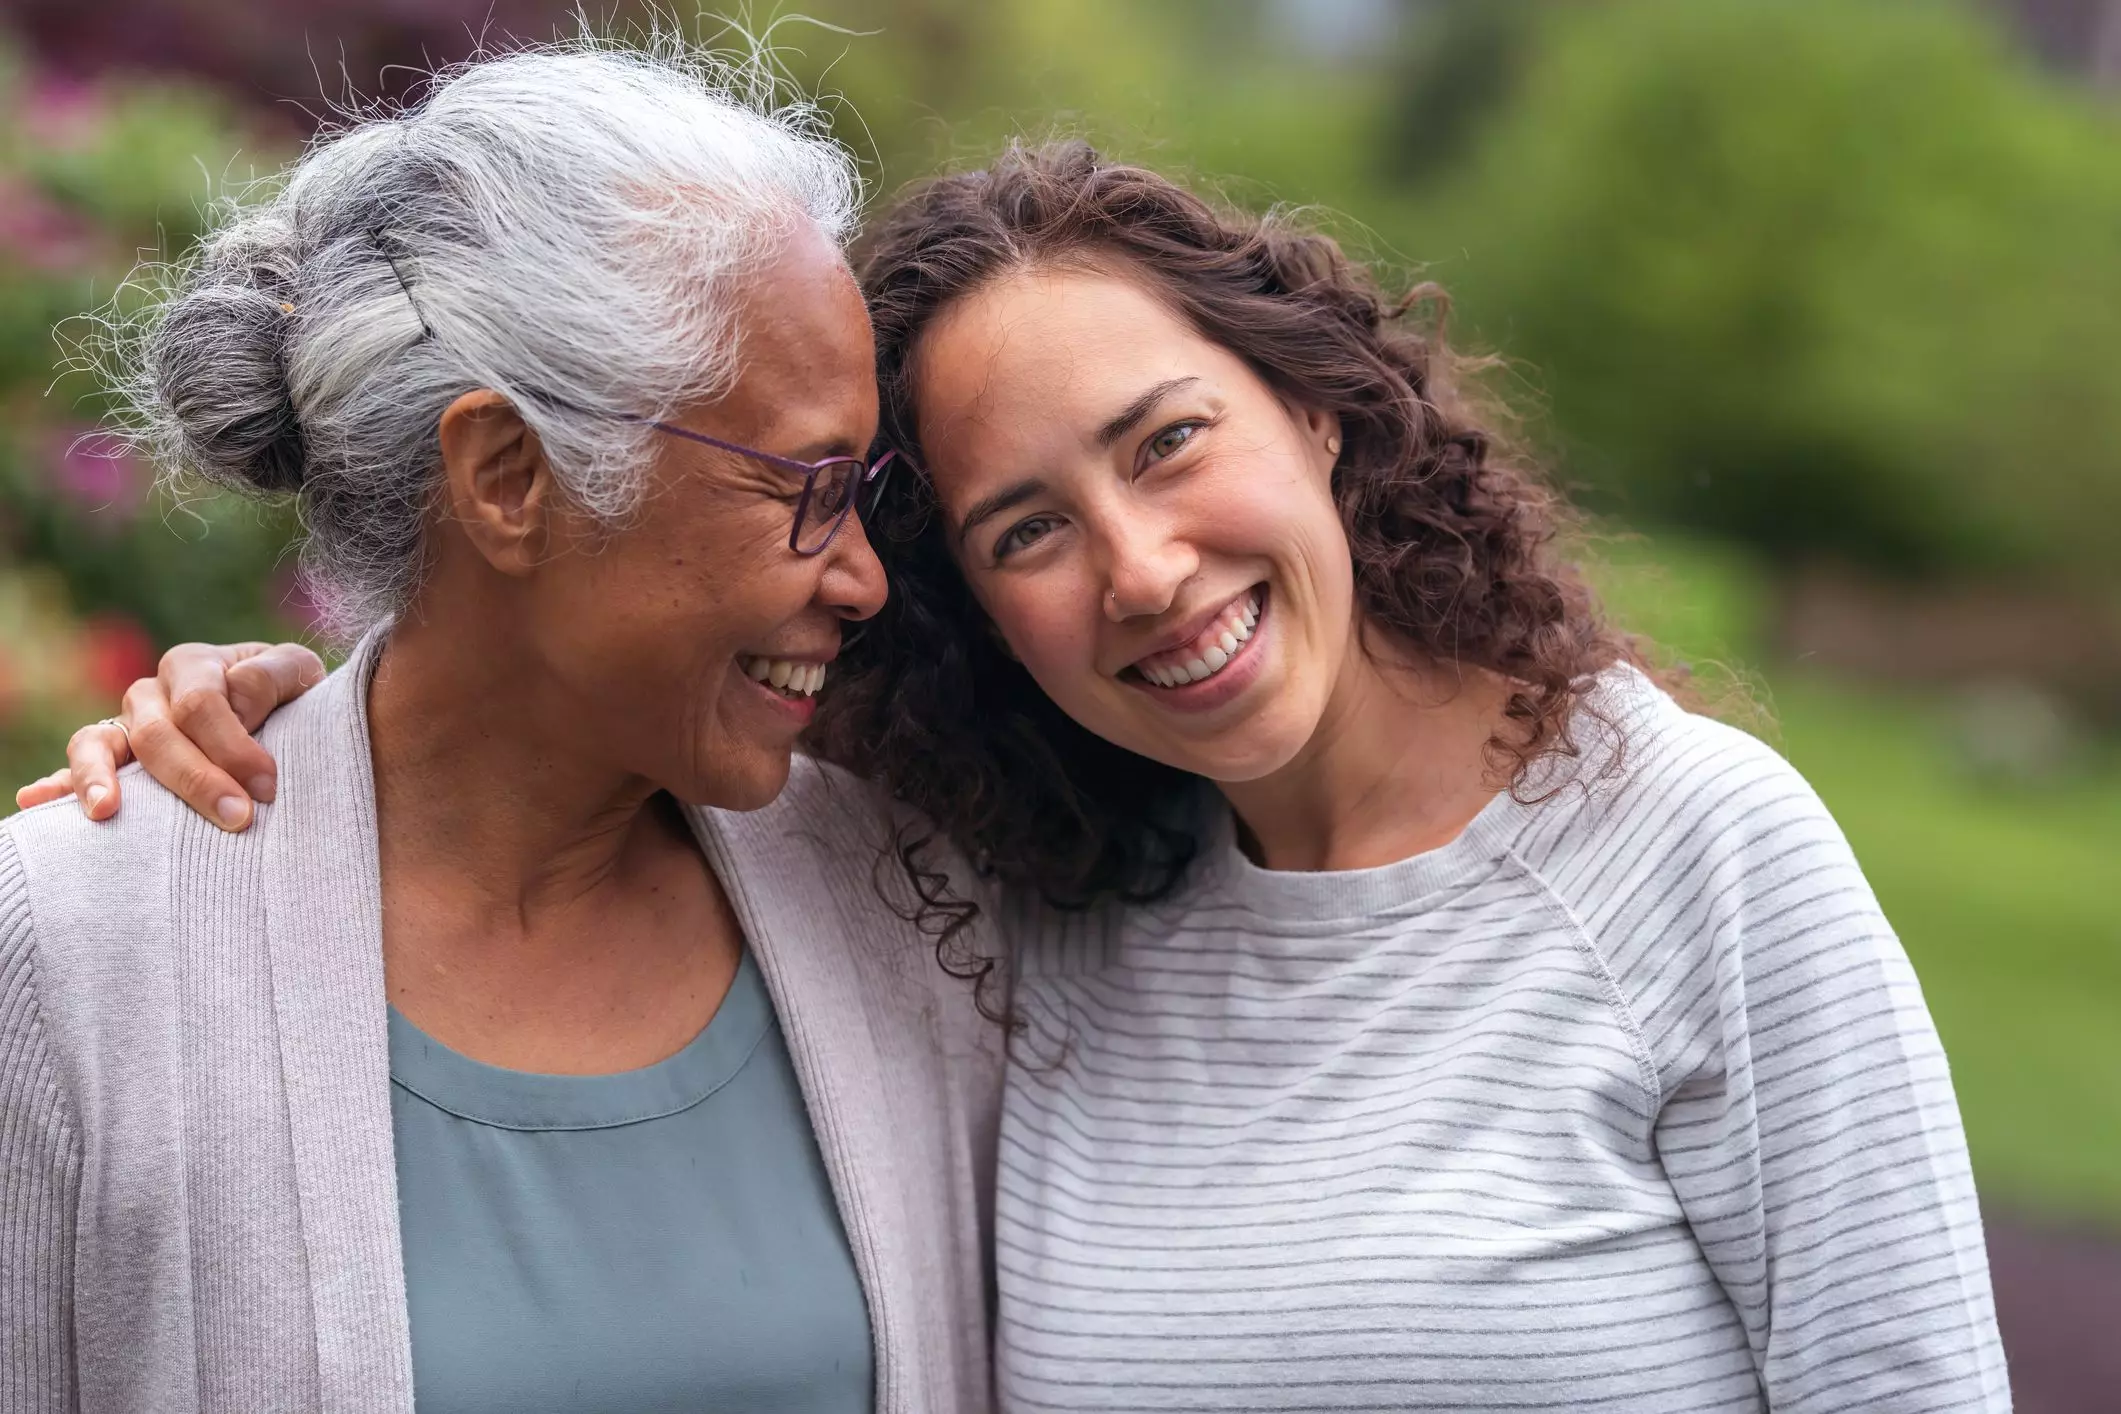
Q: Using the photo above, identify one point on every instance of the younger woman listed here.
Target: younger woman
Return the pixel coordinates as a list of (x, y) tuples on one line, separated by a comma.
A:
[(1418, 1008)]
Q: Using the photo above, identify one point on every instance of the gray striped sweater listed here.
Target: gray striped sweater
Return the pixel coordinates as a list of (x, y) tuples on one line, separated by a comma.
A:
[(1623, 1101)]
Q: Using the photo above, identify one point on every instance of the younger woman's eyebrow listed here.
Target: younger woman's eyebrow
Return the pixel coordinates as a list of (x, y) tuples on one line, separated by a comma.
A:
[(1130, 415), (987, 507)]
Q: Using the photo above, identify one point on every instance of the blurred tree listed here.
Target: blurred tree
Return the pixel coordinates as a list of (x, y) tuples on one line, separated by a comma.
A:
[(1208, 88), (1837, 277), (1460, 64)]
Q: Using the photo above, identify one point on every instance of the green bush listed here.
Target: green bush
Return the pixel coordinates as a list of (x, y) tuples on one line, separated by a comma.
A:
[(1834, 277)]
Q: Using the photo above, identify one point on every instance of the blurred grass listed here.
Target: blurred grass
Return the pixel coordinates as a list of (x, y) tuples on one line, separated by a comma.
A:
[(2002, 893)]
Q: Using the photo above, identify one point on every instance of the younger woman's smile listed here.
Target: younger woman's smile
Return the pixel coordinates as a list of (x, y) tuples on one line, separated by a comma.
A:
[(1210, 666)]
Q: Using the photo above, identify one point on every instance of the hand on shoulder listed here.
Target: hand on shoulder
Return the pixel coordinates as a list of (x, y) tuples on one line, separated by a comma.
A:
[(192, 727)]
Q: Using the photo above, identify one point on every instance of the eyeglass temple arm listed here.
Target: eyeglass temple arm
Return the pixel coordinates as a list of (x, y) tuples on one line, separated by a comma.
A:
[(807, 468)]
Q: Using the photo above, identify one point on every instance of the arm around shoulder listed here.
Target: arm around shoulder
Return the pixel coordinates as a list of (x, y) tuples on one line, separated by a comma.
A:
[(40, 1173)]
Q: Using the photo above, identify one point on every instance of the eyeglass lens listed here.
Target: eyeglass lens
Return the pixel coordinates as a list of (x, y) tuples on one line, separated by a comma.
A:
[(831, 492), (840, 485)]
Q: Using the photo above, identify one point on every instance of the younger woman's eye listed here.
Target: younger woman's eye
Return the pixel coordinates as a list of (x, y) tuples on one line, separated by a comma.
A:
[(1165, 444), (1022, 535)]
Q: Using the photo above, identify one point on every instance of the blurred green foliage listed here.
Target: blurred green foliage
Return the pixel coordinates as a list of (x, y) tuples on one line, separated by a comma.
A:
[(1834, 277), (141, 161), (1196, 88), (99, 567)]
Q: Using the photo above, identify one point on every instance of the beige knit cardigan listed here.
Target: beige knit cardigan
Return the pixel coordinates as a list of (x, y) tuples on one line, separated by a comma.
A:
[(198, 1199)]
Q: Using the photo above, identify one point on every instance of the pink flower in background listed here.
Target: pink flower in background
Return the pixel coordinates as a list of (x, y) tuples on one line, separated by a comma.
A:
[(62, 111), (114, 651), (40, 232), (97, 473)]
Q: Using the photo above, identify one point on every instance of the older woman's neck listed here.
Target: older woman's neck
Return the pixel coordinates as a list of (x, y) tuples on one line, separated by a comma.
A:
[(542, 911), (1397, 767), (475, 783)]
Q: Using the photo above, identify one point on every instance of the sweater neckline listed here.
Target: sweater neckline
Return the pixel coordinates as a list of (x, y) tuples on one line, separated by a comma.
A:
[(1328, 894), (528, 1100)]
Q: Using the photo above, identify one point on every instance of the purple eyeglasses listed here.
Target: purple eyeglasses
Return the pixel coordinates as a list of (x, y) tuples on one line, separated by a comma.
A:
[(831, 487)]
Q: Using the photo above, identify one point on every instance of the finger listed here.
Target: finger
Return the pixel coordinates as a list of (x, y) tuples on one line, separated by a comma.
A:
[(191, 663), (93, 756), (258, 686), (197, 692), (57, 786), (172, 758), (260, 683)]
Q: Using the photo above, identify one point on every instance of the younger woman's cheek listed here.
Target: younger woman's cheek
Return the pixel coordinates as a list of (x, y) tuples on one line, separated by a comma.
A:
[(1043, 636)]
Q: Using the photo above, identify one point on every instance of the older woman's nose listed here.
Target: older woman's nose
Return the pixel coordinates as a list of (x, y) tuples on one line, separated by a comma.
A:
[(854, 585)]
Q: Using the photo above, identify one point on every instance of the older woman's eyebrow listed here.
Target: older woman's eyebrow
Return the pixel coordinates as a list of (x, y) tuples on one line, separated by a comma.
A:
[(828, 447), (1126, 419), (1006, 499)]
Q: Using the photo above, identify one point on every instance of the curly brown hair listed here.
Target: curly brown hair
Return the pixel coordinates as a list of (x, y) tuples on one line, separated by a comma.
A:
[(1453, 533)]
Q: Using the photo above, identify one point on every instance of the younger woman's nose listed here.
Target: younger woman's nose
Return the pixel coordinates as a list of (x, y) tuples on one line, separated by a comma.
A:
[(1145, 570)]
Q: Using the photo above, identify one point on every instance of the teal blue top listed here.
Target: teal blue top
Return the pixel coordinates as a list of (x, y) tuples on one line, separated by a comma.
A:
[(661, 1239)]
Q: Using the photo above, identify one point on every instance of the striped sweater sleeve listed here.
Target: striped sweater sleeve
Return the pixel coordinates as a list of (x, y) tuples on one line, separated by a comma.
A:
[(40, 1177), (1806, 1120)]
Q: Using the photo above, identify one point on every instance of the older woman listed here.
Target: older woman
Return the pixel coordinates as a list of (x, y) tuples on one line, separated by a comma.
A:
[(1443, 1017), (501, 1065)]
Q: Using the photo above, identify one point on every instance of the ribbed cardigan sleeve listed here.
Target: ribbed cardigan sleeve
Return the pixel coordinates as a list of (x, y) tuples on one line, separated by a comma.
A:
[(40, 1176)]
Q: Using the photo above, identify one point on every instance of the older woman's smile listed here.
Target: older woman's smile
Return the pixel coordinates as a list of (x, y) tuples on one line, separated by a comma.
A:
[(786, 677), (788, 687)]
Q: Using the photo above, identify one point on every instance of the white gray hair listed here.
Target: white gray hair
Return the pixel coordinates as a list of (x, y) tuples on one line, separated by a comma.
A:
[(565, 225)]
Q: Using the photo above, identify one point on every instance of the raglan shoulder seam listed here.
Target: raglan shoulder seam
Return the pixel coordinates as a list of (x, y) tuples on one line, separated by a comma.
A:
[(1614, 995)]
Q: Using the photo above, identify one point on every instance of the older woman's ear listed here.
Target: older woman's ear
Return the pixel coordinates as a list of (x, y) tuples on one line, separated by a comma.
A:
[(497, 482)]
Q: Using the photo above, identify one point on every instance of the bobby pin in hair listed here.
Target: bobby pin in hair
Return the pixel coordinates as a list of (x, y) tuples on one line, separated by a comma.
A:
[(383, 248)]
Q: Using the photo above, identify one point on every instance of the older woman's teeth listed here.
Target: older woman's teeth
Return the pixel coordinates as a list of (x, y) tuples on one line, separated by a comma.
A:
[(793, 679), (1196, 662)]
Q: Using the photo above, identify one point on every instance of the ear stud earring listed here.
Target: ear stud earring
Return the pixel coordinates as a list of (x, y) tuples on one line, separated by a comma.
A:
[(1333, 446)]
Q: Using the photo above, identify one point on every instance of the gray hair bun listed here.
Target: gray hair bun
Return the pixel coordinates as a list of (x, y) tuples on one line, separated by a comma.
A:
[(218, 359)]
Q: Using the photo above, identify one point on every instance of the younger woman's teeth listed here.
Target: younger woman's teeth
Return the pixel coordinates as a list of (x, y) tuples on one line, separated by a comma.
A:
[(789, 677), (1210, 653)]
